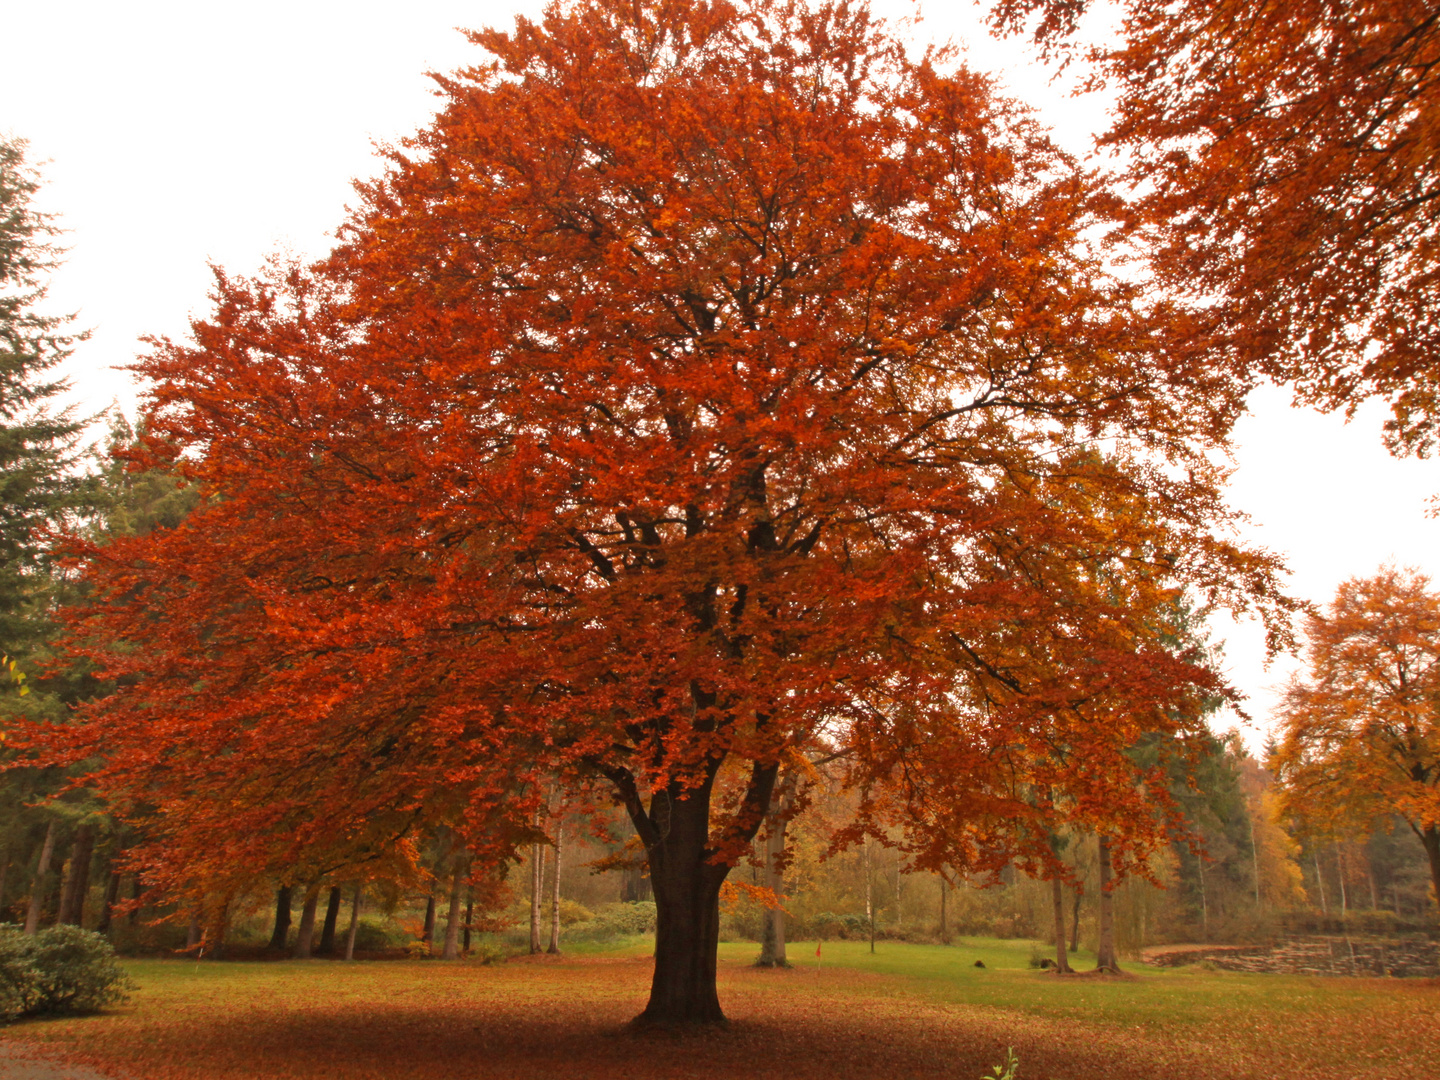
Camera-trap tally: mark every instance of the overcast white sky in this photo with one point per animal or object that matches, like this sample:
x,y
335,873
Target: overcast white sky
x,y
173,134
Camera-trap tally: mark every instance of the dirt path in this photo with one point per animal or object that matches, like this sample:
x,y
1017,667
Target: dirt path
x,y
18,1064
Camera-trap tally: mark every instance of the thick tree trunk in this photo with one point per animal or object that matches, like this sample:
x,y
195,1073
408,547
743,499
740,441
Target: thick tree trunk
x,y
192,932
554,946
1430,837
306,933
687,904
332,917
1057,893
280,936
112,896
452,916
1105,957
354,924
41,886
537,889
137,890
77,882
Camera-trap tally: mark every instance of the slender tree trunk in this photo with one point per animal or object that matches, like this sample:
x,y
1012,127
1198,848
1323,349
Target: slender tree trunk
x,y
192,932
1254,860
332,917
1075,923
1340,874
1370,877
554,946
469,918
452,915
4,873
1105,957
944,926
1320,882
41,885
537,889
112,896
428,934
354,923
280,936
772,937
137,890
687,904
77,882
1057,894
869,893
305,935
1204,900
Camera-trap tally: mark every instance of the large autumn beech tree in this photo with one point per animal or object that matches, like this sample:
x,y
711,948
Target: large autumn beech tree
x,y
708,385
1362,725
1285,156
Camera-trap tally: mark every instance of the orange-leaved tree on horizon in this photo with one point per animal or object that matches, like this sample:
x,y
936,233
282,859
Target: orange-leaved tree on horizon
x,y
1362,724
707,384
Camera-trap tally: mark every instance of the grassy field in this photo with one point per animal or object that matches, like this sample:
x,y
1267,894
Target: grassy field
x,y
908,1011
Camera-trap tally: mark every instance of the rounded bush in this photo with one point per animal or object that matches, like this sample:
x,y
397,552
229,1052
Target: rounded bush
x,y
60,970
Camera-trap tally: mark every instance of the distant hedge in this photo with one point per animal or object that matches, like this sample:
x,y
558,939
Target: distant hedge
x,y
60,970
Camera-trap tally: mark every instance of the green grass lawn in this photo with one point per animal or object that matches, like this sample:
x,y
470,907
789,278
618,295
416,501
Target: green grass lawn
x,y
905,1011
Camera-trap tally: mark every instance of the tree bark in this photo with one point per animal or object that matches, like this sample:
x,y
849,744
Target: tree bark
x,y
332,916
41,885
354,924
1430,837
687,905
4,874
428,934
112,896
1075,923
869,894
77,882
192,932
944,925
452,916
1057,893
686,874
306,933
1320,881
772,937
1105,958
469,919
554,946
280,936
537,889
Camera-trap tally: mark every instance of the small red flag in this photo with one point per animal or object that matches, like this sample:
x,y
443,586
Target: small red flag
x,y
817,950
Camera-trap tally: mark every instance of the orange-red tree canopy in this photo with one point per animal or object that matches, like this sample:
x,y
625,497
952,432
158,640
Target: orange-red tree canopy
x,y
706,383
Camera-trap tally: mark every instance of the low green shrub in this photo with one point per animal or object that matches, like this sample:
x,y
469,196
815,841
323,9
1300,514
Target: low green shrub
x,y
60,970
376,933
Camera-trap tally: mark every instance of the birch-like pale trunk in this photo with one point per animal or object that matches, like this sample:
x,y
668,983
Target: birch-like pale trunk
x,y
554,946
537,887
